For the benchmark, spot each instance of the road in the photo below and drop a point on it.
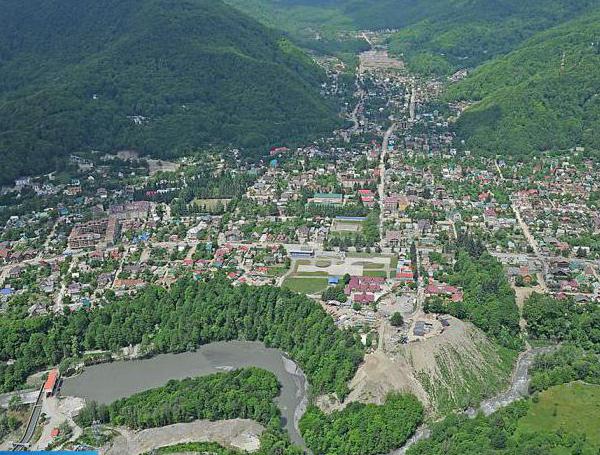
(534, 246)
(530, 239)
(31, 424)
(499, 170)
(291, 270)
(507, 256)
(384, 152)
(354, 115)
(413, 102)
(5, 270)
(58, 412)
(120, 268)
(58, 306)
(510, 257)
(366, 38)
(26, 396)
(49, 237)
(357, 108)
(381, 186)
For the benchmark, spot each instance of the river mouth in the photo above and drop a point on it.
(108, 382)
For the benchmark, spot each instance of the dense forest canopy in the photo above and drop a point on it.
(247, 393)
(157, 76)
(188, 315)
(576, 327)
(434, 36)
(362, 429)
(542, 96)
(455, 34)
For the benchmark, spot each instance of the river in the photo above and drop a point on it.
(108, 382)
(518, 389)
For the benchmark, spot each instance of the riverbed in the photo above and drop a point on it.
(517, 390)
(108, 382)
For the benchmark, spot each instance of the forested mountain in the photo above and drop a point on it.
(435, 36)
(456, 34)
(155, 75)
(542, 96)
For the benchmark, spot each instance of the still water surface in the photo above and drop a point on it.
(108, 382)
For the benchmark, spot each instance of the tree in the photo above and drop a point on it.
(397, 320)
(189, 314)
(364, 429)
(15, 402)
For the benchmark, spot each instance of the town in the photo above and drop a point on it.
(370, 222)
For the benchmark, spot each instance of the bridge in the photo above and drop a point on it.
(34, 417)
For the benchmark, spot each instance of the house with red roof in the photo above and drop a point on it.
(405, 276)
(51, 382)
(369, 201)
(444, 290)
(364, 298)
(364, 284)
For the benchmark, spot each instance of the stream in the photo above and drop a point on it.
(518, 389)
(110, 381)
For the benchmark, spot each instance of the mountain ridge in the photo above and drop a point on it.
(542, 96)
(160, 77)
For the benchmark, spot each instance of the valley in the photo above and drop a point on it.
(335, 239)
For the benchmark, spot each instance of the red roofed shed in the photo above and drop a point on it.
(51, 382)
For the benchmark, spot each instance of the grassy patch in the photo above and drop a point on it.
(574, 407)
(210, 204)
(305, 285)
(354, 254)
(315, 273)
(376, 273)
(323, 263)
(341, 234)
(303, 262)
(373, 266)
(277, 271)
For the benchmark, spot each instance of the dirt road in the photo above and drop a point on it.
(242, 434)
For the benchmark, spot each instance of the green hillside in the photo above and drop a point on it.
(301, 18)
(441, 36)
(319, 26)
(435, 36)
(573, 407)
(561, 421)
(542, 96)
(79, 75)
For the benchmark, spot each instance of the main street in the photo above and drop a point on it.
(530, 238)
(384, 153)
